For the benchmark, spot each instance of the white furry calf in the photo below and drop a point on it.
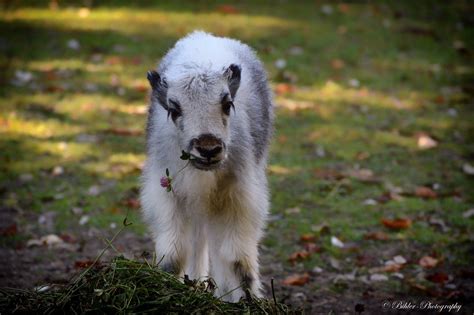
(210, 98)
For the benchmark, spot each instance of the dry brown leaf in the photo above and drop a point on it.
(364, 175)
(282, 139)
(392, 267)
(337, 64)
(68, 238)
(378, 235)
(305, 238)
(227, 9)
(428, 262)
(284, 88)
(299, 255)
(133, 203)
(438, 277)
(397, 224)
(297, 279)
(425, 192)
(312, 248)
(362, 156)
(124, 132)
(10, 230)
(81, 264)
(328, 174)
(141, 87)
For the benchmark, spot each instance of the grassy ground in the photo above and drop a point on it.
(363, 83)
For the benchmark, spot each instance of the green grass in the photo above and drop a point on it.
(408, 81)
(125, 287)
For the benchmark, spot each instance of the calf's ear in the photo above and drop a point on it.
(232, 73)
(159, 88)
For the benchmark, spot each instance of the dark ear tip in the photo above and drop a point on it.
(153, 77)
(152, 74)
(235, 68)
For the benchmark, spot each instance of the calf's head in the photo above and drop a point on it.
(200, 104)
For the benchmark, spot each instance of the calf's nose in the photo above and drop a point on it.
(208, 146)
(209, 153)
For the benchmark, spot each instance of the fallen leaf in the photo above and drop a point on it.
(124, 132)
(51, 241)
(369, 202)
(284, 88)
(334, 263)
(469, 213)
(297, 279)
(428, 262)
(94, 190)
(418, 287)
(26, 177)
(426, 142)
(77, 210)
(279, 170)
(362, 156)
(133, 203)
(85, 138)
(439, 223)
(388, 196)
(294, 210)
(468, 169)
(82, 264)
(378, 235)
(421, 31)
(300, 255)
(295, 51)
(343, 7)
(227, 9)
(68, 238)
(57, 170)
(336, 242)
(312, 248)
(399, 259)
(327, 9)
(113, 60)
(73, 44)
(22, 77)
(354, 83)
(392, 268)
(337, 64)
(364, 260)
(10, 230)
(307, 238)
(397, 224)
(384, 198)
(344, 277)
(363, 175)
(84, 219)
(425, 192)
(317, 269)
(328, 174)
(114, 210)
(282, 139)
(378, 277)
(438, 277)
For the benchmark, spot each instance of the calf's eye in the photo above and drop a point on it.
(227, 106)
(174, 110)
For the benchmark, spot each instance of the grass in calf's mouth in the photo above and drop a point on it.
(129, 286)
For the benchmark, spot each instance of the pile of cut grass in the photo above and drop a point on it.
(127, 286)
